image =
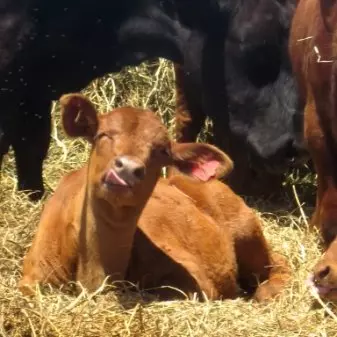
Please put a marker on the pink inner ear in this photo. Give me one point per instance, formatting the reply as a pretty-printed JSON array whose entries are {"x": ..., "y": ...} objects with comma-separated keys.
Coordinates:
[{"x": 206, "y": 170}]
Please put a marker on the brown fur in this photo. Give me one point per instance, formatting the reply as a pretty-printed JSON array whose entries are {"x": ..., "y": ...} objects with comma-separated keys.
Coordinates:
[
  {"x": 316, "y": 22},
  {"x": 197, "y": 236}
]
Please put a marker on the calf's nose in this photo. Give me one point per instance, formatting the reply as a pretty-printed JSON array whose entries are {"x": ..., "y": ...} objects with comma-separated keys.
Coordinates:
[{"x": 131, "y": 170}]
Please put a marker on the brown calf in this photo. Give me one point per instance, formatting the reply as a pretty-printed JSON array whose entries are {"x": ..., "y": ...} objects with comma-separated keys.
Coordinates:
[
  {"x": 313, "y": 51},
  {"x": 190, "y": 234}
]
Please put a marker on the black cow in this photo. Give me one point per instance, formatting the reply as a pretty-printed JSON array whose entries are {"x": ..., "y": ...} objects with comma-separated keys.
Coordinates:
[
  {"x": 49, "y": 47},
  {"x": 243, "y": 81}
]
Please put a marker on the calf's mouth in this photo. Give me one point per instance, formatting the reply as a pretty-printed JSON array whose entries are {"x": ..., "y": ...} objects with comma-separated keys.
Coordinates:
[{"x": 112, "y": 180}]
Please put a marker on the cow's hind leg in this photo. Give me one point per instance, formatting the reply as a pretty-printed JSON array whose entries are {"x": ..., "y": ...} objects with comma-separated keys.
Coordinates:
[
  {"x": 278, "y": 277},
  {"x": 31, "y": 144}
]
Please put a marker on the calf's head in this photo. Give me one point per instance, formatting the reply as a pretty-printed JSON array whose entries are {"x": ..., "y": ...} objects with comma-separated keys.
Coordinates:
[{"x": 129, "y": 148}]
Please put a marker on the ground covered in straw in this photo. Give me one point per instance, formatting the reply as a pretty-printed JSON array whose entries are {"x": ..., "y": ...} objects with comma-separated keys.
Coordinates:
[{"x": 124, "y": 313}]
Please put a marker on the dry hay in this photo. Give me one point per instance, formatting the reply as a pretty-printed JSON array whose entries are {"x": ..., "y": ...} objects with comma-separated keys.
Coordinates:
[{"x": 117, "y": 313}]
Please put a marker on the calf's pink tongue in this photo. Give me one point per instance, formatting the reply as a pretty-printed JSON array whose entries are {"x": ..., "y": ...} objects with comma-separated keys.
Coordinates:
[{"x": 113, "y": 178}]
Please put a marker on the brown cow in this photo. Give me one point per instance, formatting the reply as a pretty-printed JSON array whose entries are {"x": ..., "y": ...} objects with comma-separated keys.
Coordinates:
[
  {"x": 313, "y": 50},
  {"x": 194, "y": 234}
]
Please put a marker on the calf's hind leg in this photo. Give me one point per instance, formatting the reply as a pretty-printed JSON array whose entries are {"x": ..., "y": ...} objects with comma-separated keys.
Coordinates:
[{"x": 259, "y": 268}]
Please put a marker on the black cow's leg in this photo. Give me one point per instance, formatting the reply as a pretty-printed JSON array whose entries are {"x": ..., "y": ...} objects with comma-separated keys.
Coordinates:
[
  {"x": 189, "y": 115},
  {"x": 188, "y": 126},
  {"x": 31, "y": 145},
  {"x": 4, "y": 145}
]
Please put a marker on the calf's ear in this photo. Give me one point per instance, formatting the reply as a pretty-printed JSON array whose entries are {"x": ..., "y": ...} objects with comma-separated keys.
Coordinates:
[
  {"x": 79, "y": 116},
  {"x": 202, "y": 161}
]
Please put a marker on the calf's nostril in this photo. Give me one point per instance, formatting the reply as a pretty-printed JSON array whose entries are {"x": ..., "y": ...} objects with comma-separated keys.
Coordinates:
[
  {"x": 130, "y": 169},
  {"x": 119, "y": 163},
  {"x": 324, "y": 272},
  {"x": 139, "y": 172}
]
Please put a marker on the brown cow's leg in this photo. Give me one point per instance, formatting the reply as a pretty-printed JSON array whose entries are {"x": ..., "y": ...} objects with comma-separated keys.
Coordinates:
[
  {"x": 325, "y": 214},
  {"x": 315, "y": 139}
]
